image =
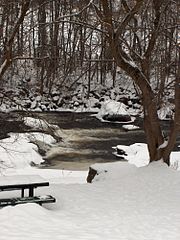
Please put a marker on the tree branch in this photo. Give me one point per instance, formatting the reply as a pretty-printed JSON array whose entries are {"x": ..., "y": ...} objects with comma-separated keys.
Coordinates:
[{"x": 9, "y": 42}]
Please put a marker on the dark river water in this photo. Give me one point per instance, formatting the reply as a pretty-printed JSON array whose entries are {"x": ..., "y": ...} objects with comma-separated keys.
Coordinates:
[{"x": 86, "y": 140}]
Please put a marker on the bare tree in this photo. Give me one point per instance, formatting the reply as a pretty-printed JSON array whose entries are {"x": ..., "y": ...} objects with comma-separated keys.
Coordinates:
[
  {"x": 59, "y": 40},
  {"x": 10, "y": 36},
  {"x": 134, "y": 41}
]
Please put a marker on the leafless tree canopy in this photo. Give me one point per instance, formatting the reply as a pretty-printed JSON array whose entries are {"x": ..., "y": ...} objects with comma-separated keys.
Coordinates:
[{"x": 55, "y": 42}]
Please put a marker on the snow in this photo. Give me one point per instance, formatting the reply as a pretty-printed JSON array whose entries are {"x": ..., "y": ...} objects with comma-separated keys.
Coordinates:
[
  {"x": 166, "y": 112},
  {"x": 36, "y": 136},
  {"x": 163, "y": 145},
  {"x": 136, "y": 154},
  {"x": 142, "y": 204},
  {"x": 38, "y": 124},
  {"x": 21, "y": 179},
  {"x": 112, "y": 107},
  {"x": 130, "y": 127},
  {"x": 17, "y": 152},
  {"x": 124, "y": 202}
]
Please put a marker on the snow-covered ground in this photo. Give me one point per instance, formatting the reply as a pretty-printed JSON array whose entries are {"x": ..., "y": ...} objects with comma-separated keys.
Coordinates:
[{"x": 123, "y": 202}]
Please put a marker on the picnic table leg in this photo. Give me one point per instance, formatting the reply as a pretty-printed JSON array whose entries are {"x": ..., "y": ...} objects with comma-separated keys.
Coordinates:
[
  {"x": 31, "y": 192},
  {"x": 22, "y": 192}
]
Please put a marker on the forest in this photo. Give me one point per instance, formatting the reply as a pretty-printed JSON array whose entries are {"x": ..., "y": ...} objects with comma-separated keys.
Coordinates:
[
  {"x": 69, "y": 71},
  {"x": 54, "y": 47},
  {"x": 57, "y": 44}
]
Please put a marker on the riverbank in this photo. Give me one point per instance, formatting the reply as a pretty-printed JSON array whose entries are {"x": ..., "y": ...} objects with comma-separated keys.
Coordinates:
[
  {"x": 84, "y": 139},
  {"x": 123, "y": 201}
]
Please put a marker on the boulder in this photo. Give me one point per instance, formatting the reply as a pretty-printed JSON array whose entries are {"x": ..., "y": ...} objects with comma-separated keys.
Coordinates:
[{"x": 117, "y": 118}]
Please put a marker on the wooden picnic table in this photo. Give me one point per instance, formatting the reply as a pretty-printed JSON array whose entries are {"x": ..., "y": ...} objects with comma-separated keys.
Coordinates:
[{"x": 23, "y": 182}]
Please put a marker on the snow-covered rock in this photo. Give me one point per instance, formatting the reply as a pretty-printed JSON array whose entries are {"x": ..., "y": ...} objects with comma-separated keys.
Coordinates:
[
  {"x": 114, "y": 111},
  {"x": 136, "y": 154},
  {"x": 166, "y": 112},
  {"x": 39, "y": 124},
  {"x": 130, "y": 127},
  {"x": 17, "y": 152}
]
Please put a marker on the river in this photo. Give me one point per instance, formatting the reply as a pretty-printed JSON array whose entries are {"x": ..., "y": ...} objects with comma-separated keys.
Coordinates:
[{"x": 86, "y": 140}]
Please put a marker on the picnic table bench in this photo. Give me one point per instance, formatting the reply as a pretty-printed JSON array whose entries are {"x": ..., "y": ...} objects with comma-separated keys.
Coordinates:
[{"x": 22, "y": 183}]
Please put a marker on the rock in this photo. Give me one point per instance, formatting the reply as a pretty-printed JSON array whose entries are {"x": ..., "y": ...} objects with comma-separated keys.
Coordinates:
[
  {"x": 34, "y": 104},
  {"x": 55, "y": 99},
  {"x": 76, "y": 104},
  {"x": 117, "y": 118},
  {"x": 124, "y": 100},
  {"x": 97, "y": 105},
  {"x": 121, "y": 152},
  {"x": 95, "y": 94},
  {"x": 136, "y": 101},
  {"x": 38, "y": 98},
  {"x": 27, "y": 104},
  {"x": 60, "y": 102}
]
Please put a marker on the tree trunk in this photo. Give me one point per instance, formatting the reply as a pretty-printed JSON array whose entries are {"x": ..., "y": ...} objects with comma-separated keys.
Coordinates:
[
  {"x": 138, "y": 64},
  {"x": 152, "y": 126},
  {"x": 176, "y": 123},
  {"x": 154, "y": 135}
]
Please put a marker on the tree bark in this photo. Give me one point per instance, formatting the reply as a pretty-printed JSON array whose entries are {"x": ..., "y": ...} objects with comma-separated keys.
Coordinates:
[
  {"x": 175, "y": 130},
  {"x": 139, "y": 76},
  {"x": 151, "y": 122}
]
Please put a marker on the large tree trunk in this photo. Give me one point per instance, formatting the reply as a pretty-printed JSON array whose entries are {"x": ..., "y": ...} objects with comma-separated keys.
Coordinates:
[
  {"x": 152, "y": 126},
  {"x": 153, "y": 135},
  {"x": 140, "y": 74},
  {"x": 176, "y": 123}
]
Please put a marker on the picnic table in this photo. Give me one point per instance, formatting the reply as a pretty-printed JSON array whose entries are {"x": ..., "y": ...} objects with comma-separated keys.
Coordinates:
[{"x": 22, "y": 183}]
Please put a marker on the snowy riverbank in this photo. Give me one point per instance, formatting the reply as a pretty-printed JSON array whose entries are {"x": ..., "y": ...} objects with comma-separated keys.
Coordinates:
[{"x": 123, "y": 202}]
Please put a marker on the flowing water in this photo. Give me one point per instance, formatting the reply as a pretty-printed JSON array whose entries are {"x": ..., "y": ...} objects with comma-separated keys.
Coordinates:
[{"x": 86, "y": 140}]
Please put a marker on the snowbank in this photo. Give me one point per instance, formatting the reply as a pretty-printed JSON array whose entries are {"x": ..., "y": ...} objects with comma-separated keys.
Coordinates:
[
  {"x": 17, "y": 154},
  {"x": 138, "y": 155},
  {"x": 124, "y": 203}
]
